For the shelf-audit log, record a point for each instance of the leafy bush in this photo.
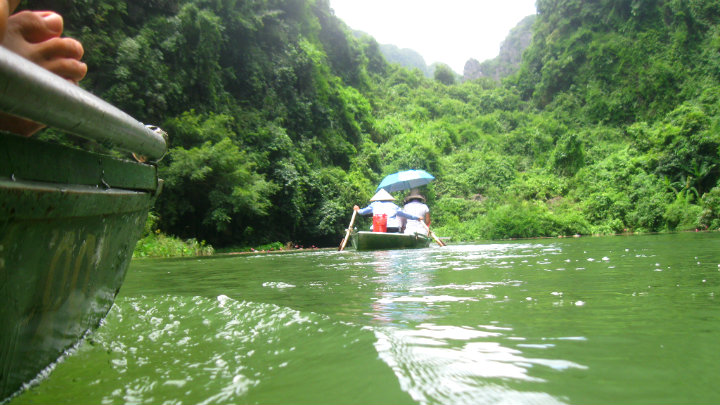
(710, 216)
(476, 172)
(568, 156)
(444, 74)
(526, 219)
(161, 245)
(681, 215)
(537, 184)
(156, 244)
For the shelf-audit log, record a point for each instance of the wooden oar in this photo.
(347, 234)
(431, 233)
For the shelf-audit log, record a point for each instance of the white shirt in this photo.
(419, 210)
(388, 208)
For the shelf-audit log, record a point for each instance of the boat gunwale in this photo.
(420, 241)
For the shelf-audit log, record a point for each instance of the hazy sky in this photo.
(447, 31)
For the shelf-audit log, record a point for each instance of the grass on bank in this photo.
(268, 247)
(156, 244)
(161, 245)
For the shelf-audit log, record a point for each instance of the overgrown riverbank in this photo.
(285, 120)
(155, 243)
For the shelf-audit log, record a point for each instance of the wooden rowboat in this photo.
(69, 218)
(362, 240)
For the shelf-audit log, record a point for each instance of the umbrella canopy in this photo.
(405, 180)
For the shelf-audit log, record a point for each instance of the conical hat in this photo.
(415, 193)
(382, 195)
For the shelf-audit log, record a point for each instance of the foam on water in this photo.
(502, 323)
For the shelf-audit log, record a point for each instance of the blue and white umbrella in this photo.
(405, 180)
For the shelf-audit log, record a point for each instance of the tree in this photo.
(212, 193)
(444, 74)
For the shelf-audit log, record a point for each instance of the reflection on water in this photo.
(590, 320)
(446, 363)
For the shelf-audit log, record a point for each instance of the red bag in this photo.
(380, 223)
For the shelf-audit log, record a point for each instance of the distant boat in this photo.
(69, 218)
(363, 240)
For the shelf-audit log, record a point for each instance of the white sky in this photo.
(447, 31)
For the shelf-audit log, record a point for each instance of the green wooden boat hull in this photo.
(69, 221)
(362, 240)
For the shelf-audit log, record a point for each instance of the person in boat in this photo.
(36, 36)
(382, 203)
(415, 205)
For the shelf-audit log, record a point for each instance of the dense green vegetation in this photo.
(280, 119)
(156, 244)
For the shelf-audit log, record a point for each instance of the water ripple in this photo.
(455, 365)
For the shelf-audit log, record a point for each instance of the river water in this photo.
(622, 320)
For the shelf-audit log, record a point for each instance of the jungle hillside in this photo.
(281, 119)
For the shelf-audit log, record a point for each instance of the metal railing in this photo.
(29, 91)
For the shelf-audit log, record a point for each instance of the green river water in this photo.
(621, 320)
